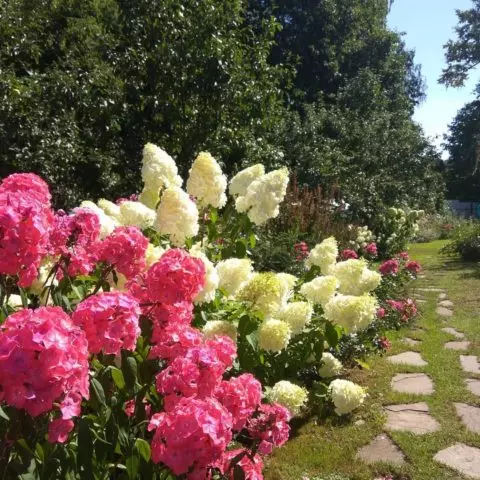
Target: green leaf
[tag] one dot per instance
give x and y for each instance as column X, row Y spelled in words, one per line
column 240, row 249
column 143, row 448
column 331, row 334
column 246, row 326
column 98, row 390
column 85, row 450
column 118, row 378
column 3, row 414
column 362, row 364
column 24, row 297
column 129, row 369
column 238, row 473
column 132, row 463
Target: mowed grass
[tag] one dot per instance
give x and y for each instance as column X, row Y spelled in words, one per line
column 324, row 446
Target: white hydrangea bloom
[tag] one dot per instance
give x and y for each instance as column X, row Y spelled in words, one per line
column 320, row 289
column 15, row 301
column 331, row 366
column 297, row 315
column 110, row 208
column 263, row 196
column 153, row 254
column 220, row 327
column 207, row 293
column 206, row 181
column 136, row 214
column 149, row 198
column 233, row 273
column 289, row 395
column 159, row 169
column 242, row 180
column 323, row 255
column 274, row 335
column 355, row 278
column 287, row 283
column 351, row 312
column 107, row 224
column 346, row 396
column 177, row 216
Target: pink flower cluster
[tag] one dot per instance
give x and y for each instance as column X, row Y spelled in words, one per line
column 348, row 254
column 110, row 321
column 413, row 267
column 406, row 308
column 371, row 249
column 252, row 465
column 25, row 219
column 301, row 251
column 43, row 359
column 389, row 267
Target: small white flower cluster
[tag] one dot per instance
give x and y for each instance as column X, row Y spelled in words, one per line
column 220, row 328
column 233, row 274
column 346, row 396
column 330, row 367
column 364, row 237
column 323, row 255
column 289, row 395
column 350, row 311
column 355, row 278
column 207, row 293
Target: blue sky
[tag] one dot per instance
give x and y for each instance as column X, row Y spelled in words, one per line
column 428, row 24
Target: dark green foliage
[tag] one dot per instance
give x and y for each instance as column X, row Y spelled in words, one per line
column 465, row 242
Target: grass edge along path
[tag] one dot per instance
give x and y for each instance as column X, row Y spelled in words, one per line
column 319, row 451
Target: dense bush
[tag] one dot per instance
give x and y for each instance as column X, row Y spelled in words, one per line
column 465, row 242
column 437, row 227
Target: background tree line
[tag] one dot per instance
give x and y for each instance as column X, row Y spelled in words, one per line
column 321, row 86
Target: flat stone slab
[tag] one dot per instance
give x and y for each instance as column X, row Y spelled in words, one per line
column 444, row 312
column 410, row 417
column 431, row 289
column 464, row 345
column 446, row 303
column 381, row 449
column 462, row 458
column 452, row 331
column 420, row 301
column 473, row 385
column 411, row 341
column 470, row 416
column 470, row 363
column 408, row 358
column 418, row 295
column 416, row 383
column 442, row 296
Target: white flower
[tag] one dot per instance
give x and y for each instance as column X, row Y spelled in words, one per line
column 159, row 169
column 274, row 335
column 149, row 198
column 331, row 366
column 323, row 255
column 351, row 312
column 233, row 273
column 107, row 224
column 297, row 315
column 136, row 214
column 242, row 180
column 15, row 301
column 177, row 216
column 153, row 254
column 289, row 395
column 206, row 182
column 355, row 278
column 320, row 289
column 220, row 327
column 263, row 196
column 207, row 293
column 346, row 396
column 287, row 282
column 110, row 208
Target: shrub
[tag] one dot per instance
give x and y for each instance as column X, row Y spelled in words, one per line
column 465, row 242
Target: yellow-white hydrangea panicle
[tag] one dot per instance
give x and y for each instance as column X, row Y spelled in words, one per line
column 207, row 293
column 289, row 395
column 149, row 198
column 330, row 367
column 110, row 208
column 274, row 335
column 287, row 284
column 350, row 311
column 264, row 293
column 320, row 290
column 297, row 314
column 323, row 255
column 15, row 301
column 355, row 278
column 233, row 274
column 177, row 216
column 243, row 179
column 136, row 214
column 153, row 254
column 159, row 169
column 346, row 396
column 107, row 224
column 220, row 327
column 263, row 196
column 206, row 181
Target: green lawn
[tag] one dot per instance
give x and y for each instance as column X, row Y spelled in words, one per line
column 322, row 447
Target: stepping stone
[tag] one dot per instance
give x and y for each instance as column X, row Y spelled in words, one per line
column 381, row 449
column 452, row 331
column 473, row 385
column 411, row 342
column 470, row 363
column 444, row 312
column 446, row 303
column 416, row 383
column 462, row 458
column 442, row 296
column 410, row 417
column 408, row 358
column 458, row 345
column 431, row 289
column 470, row 416
column 418, row 300
column 418, row 295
